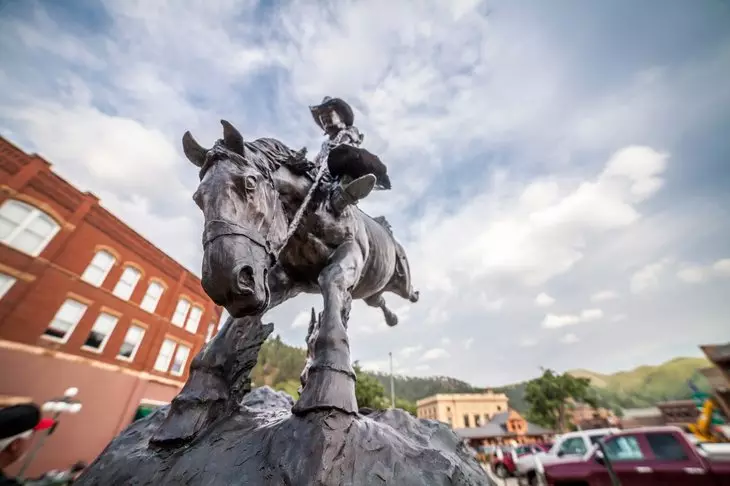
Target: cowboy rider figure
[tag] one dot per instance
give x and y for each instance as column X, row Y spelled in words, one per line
column 356, row 170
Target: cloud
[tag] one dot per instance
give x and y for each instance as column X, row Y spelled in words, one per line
column 569, row 338
column 648, row 277
column 591, row 315
column 527, row 151
column 528, row 343
column 544, row 300
column 554, row 321
column 445, row 341
column 604, row 295
column 301, row 320
column 694, row 274
column 434, row 353
column 410, row 350
column 618, row 318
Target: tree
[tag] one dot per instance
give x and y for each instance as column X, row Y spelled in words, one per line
column 549, row 396
column 368, row 390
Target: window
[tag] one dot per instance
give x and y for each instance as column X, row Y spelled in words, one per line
column 100, row 332
column 466, row 421
column 167, row 350
column 25, row 227
column 666, row 447
column 152, row 297
column 181, row 312
column 193, row 319
column 623, row 448
column 127, row 282
column 98, row 269
column 181, row 359
column 572, row 446
column 477, row 421
column 211, row 330
column 6, row 282
column 65, row 320
column 163, row 359
column 132, row 341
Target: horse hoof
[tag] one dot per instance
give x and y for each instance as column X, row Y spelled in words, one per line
column 391, row 320
column 414, row 296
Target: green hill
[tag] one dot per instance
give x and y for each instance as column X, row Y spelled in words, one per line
column 279, row 366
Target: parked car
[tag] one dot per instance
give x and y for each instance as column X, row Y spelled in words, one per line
column 566, row 447
column 650, row 456
column 504, row 460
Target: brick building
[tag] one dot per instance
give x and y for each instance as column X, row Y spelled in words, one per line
column 87, row 302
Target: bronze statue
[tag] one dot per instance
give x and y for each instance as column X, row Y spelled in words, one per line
column 277, row 225
column 264, row 243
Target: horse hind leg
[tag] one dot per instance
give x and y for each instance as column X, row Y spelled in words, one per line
column 378, row 301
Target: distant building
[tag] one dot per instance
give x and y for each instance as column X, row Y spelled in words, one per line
column 462, row 410
column 504, row 428
column 719, row 374
column 585, row 417
column 87, row 302
column 679, row 413
column 641, row 417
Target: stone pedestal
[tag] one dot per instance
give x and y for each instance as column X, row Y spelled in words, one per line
column 263, row 443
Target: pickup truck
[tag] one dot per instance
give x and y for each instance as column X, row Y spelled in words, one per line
column 504, row 460
column 649, row 456
column 566, row 447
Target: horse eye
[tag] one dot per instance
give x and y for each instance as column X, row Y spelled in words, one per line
column 250, row 183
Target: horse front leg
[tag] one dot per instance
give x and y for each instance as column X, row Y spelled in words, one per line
column 330, row 380
column 220, row 372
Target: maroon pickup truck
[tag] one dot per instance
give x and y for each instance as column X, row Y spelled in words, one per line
column 650, row 456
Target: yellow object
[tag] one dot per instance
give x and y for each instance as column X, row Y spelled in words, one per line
column 702, row 429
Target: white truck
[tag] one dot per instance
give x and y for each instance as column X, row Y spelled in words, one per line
column 566, row 447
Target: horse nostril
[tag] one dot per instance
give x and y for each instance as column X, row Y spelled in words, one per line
column 244, row 280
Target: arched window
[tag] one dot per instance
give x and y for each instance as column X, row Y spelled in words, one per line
column 181, row 312
column 25, row 227
column 98, row 269
column 191, row 325
column 152, row 296
column 127, row 282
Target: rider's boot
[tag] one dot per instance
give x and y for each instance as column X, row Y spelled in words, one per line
column 351, row 193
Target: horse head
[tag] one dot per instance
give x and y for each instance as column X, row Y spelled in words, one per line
column 244, row 221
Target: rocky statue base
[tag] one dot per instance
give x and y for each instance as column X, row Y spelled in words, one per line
column 265, row 444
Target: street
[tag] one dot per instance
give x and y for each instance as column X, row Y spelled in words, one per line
column 500, row 482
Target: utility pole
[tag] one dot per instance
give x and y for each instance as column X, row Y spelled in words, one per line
column 392, row 386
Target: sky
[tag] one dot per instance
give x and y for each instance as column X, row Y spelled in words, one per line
column 560, row 169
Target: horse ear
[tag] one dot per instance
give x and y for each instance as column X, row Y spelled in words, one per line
column 232, row 138
column 193, row 150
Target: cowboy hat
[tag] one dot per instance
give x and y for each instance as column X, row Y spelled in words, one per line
column 340, row 106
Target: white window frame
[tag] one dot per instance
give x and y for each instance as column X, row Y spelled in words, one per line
column 6, row 283
column 181, row 322
column 188, row 350
column 164, row 366
column 104, row 341
column 211, row 331
column 151, row 308
column 71, row 330
column 192, row 326
column 23, row 226
column 122, row 284
column 105, row 272
column 136, row 346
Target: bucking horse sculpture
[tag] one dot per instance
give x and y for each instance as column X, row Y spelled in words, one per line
column 257, row 256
